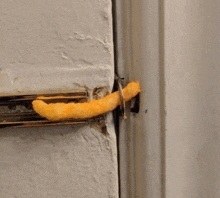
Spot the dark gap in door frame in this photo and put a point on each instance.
(116, 112)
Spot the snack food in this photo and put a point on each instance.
(60, 111)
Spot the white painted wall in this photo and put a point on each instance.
(192, 75)
(52, 45)
(56, 46)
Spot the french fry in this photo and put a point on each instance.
(60, 111)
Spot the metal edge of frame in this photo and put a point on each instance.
(140, 56)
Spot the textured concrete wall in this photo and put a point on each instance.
(56, 46)
(192, 73)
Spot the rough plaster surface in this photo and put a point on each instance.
(192, 73)
(56, 46)
(58, 162)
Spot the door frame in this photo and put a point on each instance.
(139, 52)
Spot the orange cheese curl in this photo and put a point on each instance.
(59, 111)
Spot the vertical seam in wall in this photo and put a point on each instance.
(114, 30)
(162, 98)
(116, 111)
